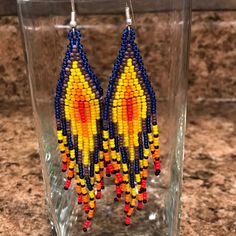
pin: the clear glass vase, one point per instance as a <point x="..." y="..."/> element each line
<point x="162" y="33"/>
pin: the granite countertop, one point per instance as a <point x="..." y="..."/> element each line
<point x="209" y="191"/>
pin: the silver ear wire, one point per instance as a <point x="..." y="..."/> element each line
<point x="128" y="17"/>
<point x="73" y="15"/>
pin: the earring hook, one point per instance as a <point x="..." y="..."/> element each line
<point x="73" y="14"/>
<point x="129" y="12"/>
<point x="128" y="17"/>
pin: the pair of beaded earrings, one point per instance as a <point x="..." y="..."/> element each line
<point x="115" y="134"/>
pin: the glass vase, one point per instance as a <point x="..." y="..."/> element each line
<point x="162" y="33"/>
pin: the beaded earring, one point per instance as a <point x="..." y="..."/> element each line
<point x="78" y="106"/>
<point x="130" y="129"/>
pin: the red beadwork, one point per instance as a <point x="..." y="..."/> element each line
<point x="140" y="205"/>
<point x="67" y="184"/>
<point x="80" y="199"/>
<point x="127" y="220"/>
